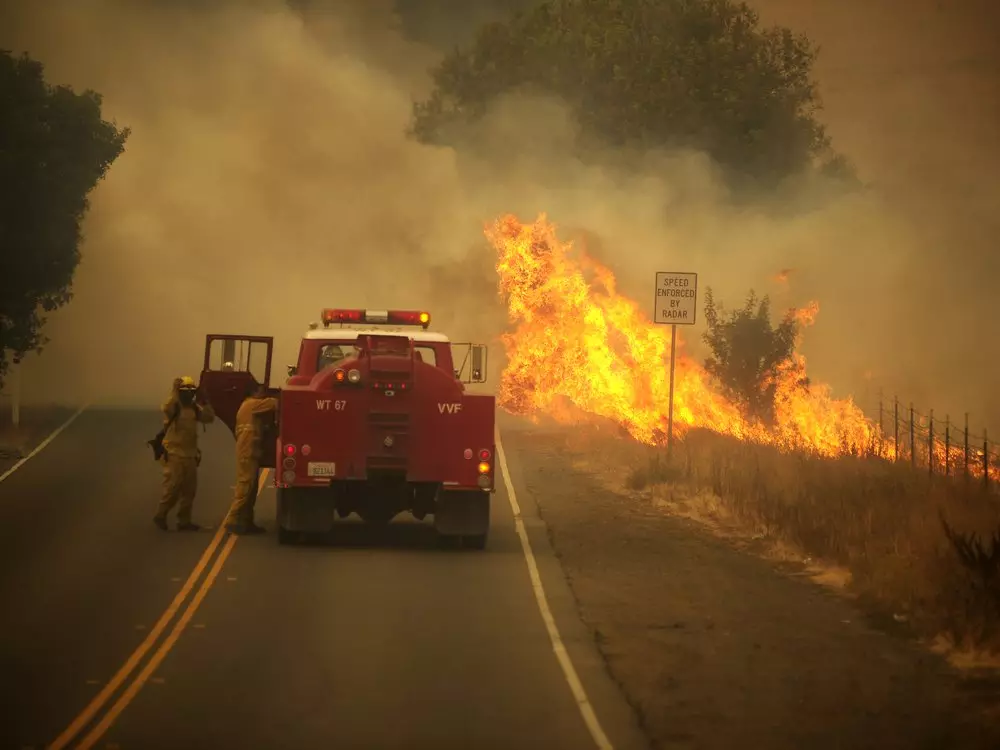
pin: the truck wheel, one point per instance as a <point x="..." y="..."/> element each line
<point x="474" y="541"/>
<point x="448" y="541"/>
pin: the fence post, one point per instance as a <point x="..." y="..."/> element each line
<point x="913" y="440"/>
<point x="986" y="459"/>
<point x="895" y="427"/>
<point x="947" y="444"/>
<point x="966" y="445"/>
<point x="881" y="432"/>
<point x="930" y="443"/>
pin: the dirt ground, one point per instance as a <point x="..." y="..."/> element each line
<point x="717" y="647"/>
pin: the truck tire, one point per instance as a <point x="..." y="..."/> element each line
<point x="285" y="536"/>
<point x="474" y="541"/>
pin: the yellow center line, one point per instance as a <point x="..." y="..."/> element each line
<point x="95" y="705"/>
<point x="133" y="689"/>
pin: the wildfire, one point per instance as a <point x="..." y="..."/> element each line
<point x="578" y="342"/>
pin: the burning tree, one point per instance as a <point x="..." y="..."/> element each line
<point x="698" y="74"/>
<point x="749" y="354"/>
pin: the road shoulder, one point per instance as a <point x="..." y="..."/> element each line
<point x="36" y="424"/>
<point x="615" y="713"/>
<point x="717" y="648"/>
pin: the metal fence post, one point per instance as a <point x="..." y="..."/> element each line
<point x="966" y="445"/>
<point x="986" y="460"/>
<point x="895" y="427"/>
<point x="880" y="430"/>
<point x="913" y="440"/>
<point x="947" y="444"/>
<point x="930" y="443"/>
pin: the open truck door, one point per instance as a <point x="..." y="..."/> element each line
<point x="235" y="365"/>
<point x="470" y="362"/>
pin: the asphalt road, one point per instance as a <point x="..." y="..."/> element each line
<point x="362" y="643"/>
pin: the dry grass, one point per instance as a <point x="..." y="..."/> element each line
<point x="925" y="551"/>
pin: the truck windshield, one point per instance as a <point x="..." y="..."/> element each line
<point x="330" y="354"/>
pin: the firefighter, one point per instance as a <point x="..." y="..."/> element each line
<point x="181" y="415"/>
<point x="250" y="420"/>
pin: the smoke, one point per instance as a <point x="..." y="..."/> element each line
<point x="268" y="175"/>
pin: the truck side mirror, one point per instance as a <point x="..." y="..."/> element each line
<point x="479" y="364"/>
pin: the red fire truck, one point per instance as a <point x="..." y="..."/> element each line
<point x="375" y="419"/>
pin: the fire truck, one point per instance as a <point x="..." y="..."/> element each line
<point x="374" y="419"/>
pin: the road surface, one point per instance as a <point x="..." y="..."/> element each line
<point x="114" y="634"/>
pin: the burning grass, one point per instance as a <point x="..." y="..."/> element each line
<point x="923" y="550"/>
<point x="813" y="482"/>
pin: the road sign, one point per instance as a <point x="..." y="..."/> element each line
<point x="676" y="298"/>
<point x="675" y="304"/>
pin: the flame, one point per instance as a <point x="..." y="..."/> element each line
<point x="580" y="346"/>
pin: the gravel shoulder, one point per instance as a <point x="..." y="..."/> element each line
<point x="717" y="647"/>
<point x="36" y="424"/>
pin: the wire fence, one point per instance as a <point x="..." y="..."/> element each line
<point x="937" y="444"/>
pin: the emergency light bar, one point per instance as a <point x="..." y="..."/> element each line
<point x="377" y="317"/>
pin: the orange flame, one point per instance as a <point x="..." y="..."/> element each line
<point x="578" y="344"/>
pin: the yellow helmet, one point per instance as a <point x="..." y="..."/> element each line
<point x="187" y="383"/>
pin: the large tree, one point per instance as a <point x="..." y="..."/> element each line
<point x="700" y="74"/>
<point x="54" y="148"/>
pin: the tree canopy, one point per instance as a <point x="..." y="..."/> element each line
<point x="747" y="352"/>
<point x="699" y="74"/>
<point x="54" y="148"/>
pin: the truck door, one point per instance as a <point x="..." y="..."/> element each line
<point x="235" y="364"/>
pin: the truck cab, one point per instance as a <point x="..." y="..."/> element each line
<point x="374" y="419"/>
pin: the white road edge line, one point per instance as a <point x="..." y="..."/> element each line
<point x="41" y="445"/>
<point x="558" y="647"/>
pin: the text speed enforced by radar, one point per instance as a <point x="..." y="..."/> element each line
<point x="676" y="298"/>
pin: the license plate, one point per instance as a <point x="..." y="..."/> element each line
<point x="322" y="469"/>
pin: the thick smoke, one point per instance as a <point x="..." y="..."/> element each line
<point x="268" y="175"/>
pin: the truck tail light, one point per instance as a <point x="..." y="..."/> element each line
<point x="389" y="386"/>
<point x="484" y="454"/>
<point x="288" y="463"/>
<point x="484" y="467"/>
<point x="289" y="449"/>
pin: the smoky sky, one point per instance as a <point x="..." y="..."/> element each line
<point x="268" y="175"/>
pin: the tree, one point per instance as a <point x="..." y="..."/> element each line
<point x="649" y="74"/>
<point x="54" y="148"/>
<point x="748" y="352"/>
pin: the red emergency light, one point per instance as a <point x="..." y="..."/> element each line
<point x="377" y="317"/>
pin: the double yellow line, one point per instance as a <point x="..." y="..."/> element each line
<point x="121" y="677"/>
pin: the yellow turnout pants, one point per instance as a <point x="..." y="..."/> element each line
<point x="245" y="496"/>
<point x="180" y="483"/>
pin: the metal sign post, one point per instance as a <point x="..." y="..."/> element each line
<point x="676" y="304"/>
